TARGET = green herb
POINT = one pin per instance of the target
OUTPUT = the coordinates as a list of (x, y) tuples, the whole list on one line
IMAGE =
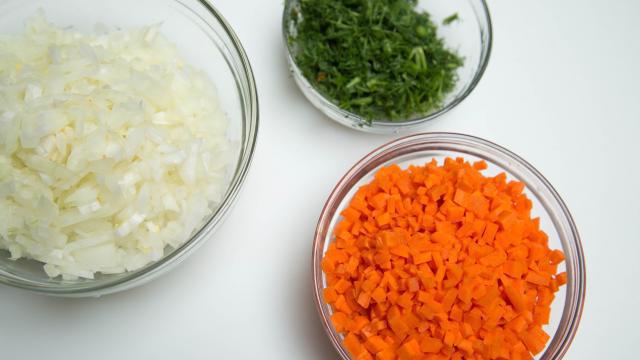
[(451, 18), (380, 59)]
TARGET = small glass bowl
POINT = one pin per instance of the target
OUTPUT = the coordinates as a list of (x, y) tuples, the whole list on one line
[(207, 42), (470, 35), (419, 149)]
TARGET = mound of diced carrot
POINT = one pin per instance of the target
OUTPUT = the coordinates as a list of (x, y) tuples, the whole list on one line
[(441, 262)]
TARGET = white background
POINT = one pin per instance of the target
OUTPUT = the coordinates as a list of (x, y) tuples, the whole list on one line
[(561, 90)]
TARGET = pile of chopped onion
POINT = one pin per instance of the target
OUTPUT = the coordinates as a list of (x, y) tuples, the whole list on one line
[(111, 148)]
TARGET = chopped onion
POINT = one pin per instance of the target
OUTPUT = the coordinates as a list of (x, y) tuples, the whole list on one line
[(111, 148)]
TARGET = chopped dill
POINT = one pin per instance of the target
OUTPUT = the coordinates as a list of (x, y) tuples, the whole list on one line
[(380, 59)]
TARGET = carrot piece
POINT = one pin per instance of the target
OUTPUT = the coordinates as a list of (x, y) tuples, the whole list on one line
[(465, 293), (545, 297), (474, 319), (379, 295), (405, 300), (467, 330), (430, 345), (330, 295), (340, 321), (491, 295), (400, 250), (388, 354), (383, 219), (535, 339), (489, 233), (351, 214), (398, 326), (364, 355), (515, 297), (518, 324), (448, 299), (480, 165), (556, 257), (364, 299), (455, 314), (409, 350), (537, 279), (421, 258), (379, 201), (342, 286), (376, 344), (496, 258), (561, 278), (515, 268), (461, 198), (353, 344), (342, 305), (466, 346), (413, 284), (358, 323), (541, 314)]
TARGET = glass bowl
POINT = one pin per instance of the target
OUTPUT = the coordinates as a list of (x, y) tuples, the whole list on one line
[(470, 36), (207, 42), (418, 149)]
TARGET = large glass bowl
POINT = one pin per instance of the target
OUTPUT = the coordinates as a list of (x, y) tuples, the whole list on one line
[(419, 149), (207, 42), (470, 37)]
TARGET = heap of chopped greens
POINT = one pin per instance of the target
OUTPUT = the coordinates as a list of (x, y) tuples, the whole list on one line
[(380, 59)]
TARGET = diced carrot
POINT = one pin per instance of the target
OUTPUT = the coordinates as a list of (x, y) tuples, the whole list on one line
[(364, 299), (461, 198), (388, 354), (379, 295), (342, 286), (398, 326), (409, 350), (430, 345), (421, 258), (466, 346), (515, 297), (489, 233), (561, 278), (480, 165), (441, 262), (537, 279), (556, 257), (413, 284), (383, 219), (535, 339), (353, 344), (342, 305), (515, 268), (351, 214), (340, 321), (330, 295), (455, 314), (518, 324), (405, 300), (467, 330), (541, 314), (358, 323), (400, 250), (376, 344)]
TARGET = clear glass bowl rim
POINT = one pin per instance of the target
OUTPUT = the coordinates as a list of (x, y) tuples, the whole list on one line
[(385, 126), (574, 302), (155, 269)]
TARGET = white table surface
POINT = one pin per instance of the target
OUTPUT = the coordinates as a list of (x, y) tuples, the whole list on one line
[(561, 90)]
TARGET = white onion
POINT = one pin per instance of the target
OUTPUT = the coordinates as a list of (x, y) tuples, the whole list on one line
[(111, 148)]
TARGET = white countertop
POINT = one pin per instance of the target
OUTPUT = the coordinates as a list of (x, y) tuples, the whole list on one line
[(561, 90)]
